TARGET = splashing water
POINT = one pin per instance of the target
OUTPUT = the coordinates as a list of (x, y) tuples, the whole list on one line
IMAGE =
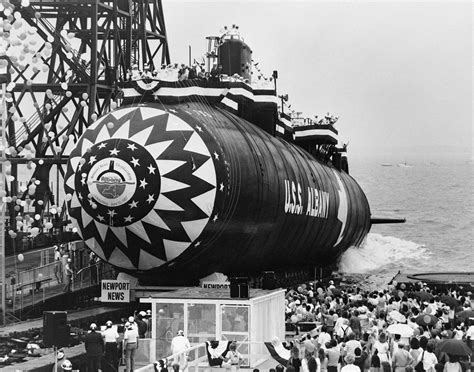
[(381, 257)]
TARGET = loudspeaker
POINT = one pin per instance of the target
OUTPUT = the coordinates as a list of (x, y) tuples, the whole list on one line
[(269, 280), (239, 287), (55, 329)]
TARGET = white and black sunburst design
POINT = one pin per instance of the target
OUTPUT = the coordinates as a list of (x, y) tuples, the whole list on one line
[(143, 186)]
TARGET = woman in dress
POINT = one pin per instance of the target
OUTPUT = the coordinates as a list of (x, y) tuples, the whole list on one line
[(428, 358), (382, 347)]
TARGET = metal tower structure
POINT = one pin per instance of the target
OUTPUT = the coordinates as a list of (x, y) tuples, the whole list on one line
[(66, 74), (88, 47)]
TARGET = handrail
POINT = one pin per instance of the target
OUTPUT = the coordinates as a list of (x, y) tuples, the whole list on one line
[(254, 357)]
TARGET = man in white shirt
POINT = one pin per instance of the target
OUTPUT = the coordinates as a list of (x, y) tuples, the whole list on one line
[(130, 345), (350, 367), (179, 345), (110, 337), (352, 344), (323, 338)]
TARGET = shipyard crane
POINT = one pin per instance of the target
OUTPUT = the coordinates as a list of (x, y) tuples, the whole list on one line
[(61, 63), (88, 48)]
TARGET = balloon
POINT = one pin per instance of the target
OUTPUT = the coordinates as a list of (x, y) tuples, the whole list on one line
[(37, 217), (110, 125), (34, 231), (21, 257)]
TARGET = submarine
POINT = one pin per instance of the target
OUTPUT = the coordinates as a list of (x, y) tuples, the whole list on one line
[(194, 176)]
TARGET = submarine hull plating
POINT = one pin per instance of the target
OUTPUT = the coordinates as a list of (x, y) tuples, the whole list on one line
[(172, 193)]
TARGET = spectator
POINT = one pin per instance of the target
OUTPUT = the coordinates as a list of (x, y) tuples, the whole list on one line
[(94, 348), (350, 366), (179, 345), (233, 359), (69, 272), (111, 337), (401, 358), (130, 345), (428, 358), (294, 360), (58, 267)]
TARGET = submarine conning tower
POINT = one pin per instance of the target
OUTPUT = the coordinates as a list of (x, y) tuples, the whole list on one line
[(234, 55)]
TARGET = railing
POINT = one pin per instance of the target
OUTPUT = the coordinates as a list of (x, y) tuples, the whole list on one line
[(91, 275), (42, 282), (255, 355)]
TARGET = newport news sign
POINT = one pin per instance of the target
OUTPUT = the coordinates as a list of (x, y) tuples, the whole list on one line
[(115, 291)]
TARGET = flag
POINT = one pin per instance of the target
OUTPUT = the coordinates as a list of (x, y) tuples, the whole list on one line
[(279, 353), (216, 351)]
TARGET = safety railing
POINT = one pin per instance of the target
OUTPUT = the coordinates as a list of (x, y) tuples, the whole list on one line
[(254, 354), (42, 282), (91, 275)]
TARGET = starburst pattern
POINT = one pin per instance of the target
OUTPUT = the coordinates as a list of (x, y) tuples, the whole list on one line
[(152, 180)]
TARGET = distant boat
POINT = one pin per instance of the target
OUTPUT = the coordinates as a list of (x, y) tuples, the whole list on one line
[(405, 165), (386, 165)]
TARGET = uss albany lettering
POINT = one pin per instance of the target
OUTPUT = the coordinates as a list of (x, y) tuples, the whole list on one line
[(316, 201)]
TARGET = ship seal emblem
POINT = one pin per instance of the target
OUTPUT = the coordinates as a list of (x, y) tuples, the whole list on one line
[(112, 182)]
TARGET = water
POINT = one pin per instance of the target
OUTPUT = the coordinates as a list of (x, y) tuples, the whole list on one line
[(437, 200)]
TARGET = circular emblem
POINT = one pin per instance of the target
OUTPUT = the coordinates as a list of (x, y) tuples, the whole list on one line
[(143, 184), (118, 182), (112, 182)]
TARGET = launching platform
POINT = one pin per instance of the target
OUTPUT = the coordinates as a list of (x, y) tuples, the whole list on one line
[(212, 314)]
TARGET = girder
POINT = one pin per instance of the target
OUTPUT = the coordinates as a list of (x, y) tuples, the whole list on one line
[(83, 50)]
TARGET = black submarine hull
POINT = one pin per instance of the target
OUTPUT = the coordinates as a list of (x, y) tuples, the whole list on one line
[(223, 196)]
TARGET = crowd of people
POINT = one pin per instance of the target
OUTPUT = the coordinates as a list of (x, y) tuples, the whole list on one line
[(390, 330), (106, 349), (327, 119), (177, 72)]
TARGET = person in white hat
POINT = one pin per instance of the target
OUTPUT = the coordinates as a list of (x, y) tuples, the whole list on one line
[(94, 348), (179, 345), (110, 337), (130, 345), (65, 366), (141, 324)]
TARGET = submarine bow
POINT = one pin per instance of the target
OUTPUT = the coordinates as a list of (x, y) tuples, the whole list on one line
[(171, 193)]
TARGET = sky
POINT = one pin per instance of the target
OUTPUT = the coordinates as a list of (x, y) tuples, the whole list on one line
[(398, 74)]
